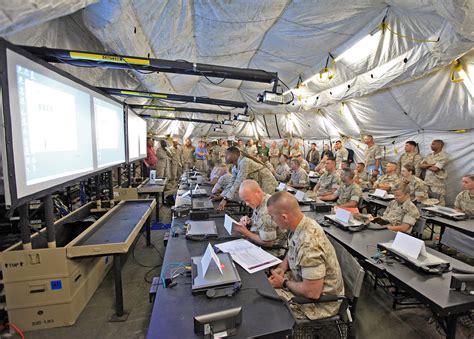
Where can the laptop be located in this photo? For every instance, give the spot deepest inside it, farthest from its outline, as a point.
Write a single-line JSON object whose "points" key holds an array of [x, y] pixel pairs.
{"points": [[202, 204], [182, 201], [412, 250], [213, 278], [343, 218], [381, 194], [199, 192], [201, 228], [445, 212], [300, 196]]}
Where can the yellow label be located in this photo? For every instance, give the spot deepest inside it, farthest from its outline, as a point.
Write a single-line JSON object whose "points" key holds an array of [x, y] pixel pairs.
{"points": [[161, 108], [108, 58], [144, 94]]}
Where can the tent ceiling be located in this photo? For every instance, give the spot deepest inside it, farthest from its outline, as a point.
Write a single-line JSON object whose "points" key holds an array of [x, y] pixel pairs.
{"points": [[290, 37]]}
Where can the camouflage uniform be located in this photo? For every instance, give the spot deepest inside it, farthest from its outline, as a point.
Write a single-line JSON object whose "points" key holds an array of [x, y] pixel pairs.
{"points": [[418, 188], [285, 150], [465, 202], [273, 154], [250, 169], [371, 154], [347, 193], [390, 179], [412, 159], [436, 181], [188, 157], [215, 156], [162, 165], [341, 155], [405, 212], [222, 183], [267, 230], [327, 182], [283, 172], [295, 152], [299, 177], [269, 166], [251, 150], [222, 153], [304, 165], [363, 179], [311, 256], [174, 163]]}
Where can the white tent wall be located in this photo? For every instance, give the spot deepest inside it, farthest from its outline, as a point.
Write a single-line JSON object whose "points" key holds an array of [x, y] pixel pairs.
{"points": [[390, 97]]}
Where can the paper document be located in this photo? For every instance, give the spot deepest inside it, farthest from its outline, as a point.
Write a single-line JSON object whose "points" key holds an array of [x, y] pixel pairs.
{"points": [[152, 177], [251, 257], [281, 186], [380, 193], [228, 222], [208, 257], [299, 195]]}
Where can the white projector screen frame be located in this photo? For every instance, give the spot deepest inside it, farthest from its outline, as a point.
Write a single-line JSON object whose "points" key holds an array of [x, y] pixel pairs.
{"points": [[20, 185], [136, 135]]}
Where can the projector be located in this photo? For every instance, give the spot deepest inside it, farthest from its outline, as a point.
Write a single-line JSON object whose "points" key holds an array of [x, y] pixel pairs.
{"points": [[271, 98], [242, 117], [228, 122], [218, 129]]}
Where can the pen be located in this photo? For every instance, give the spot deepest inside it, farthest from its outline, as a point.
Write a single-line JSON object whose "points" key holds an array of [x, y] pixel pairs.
{"points": [[262, 264]]}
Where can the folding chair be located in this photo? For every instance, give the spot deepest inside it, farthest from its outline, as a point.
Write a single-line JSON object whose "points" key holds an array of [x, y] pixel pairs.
{"points": [[342, 324]]}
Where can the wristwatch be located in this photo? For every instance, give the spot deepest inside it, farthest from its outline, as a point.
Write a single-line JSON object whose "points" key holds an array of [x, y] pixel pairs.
{"points": [[285, 284]]}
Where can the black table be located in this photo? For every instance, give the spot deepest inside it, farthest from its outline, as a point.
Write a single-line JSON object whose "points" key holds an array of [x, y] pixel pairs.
{"points": [[463, 226], [175, 308], [375, 202], [432, 290]]}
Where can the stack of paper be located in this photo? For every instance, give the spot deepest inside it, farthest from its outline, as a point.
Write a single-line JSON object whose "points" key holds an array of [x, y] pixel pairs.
{"points": [[251, 257]]}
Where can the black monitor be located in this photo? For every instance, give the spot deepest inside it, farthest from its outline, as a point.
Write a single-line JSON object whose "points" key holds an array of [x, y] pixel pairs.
{"points": [[222, 323]]}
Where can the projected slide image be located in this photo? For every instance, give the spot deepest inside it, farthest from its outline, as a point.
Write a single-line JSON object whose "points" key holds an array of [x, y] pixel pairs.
{"points": [[51, 118], [56, 131], [109, 130], [137, 146]]}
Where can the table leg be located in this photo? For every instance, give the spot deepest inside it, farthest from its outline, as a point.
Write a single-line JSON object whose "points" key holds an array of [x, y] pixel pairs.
{"points": [[120, 315], [441, 231], [148, 230], [157, 212], [451, 323]]}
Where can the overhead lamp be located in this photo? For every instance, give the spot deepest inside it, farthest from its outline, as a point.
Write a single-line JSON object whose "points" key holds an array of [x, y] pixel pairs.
{"points": [[326, 74], [457, 73], [228, 122], [218, 129], [243, 117]]}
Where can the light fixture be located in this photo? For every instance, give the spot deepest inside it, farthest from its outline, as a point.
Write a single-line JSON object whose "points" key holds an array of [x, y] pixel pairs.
{"points": [[243, 117], [457, 73], [326, 73]]}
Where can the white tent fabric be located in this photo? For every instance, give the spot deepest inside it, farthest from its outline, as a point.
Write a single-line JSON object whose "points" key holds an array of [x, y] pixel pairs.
{"points": [[395, 86]]}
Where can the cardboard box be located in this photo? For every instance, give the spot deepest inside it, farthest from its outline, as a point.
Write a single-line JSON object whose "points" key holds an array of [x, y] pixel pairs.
{"points": [[129, 193], [61, 313], [48, 290]]}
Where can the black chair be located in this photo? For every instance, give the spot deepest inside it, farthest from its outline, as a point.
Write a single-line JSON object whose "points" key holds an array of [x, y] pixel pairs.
{"points": [[342, 324]]}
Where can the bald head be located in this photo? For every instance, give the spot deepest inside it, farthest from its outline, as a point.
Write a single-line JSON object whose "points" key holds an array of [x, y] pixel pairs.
{"points": [[284, 210], [251, 193]]}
